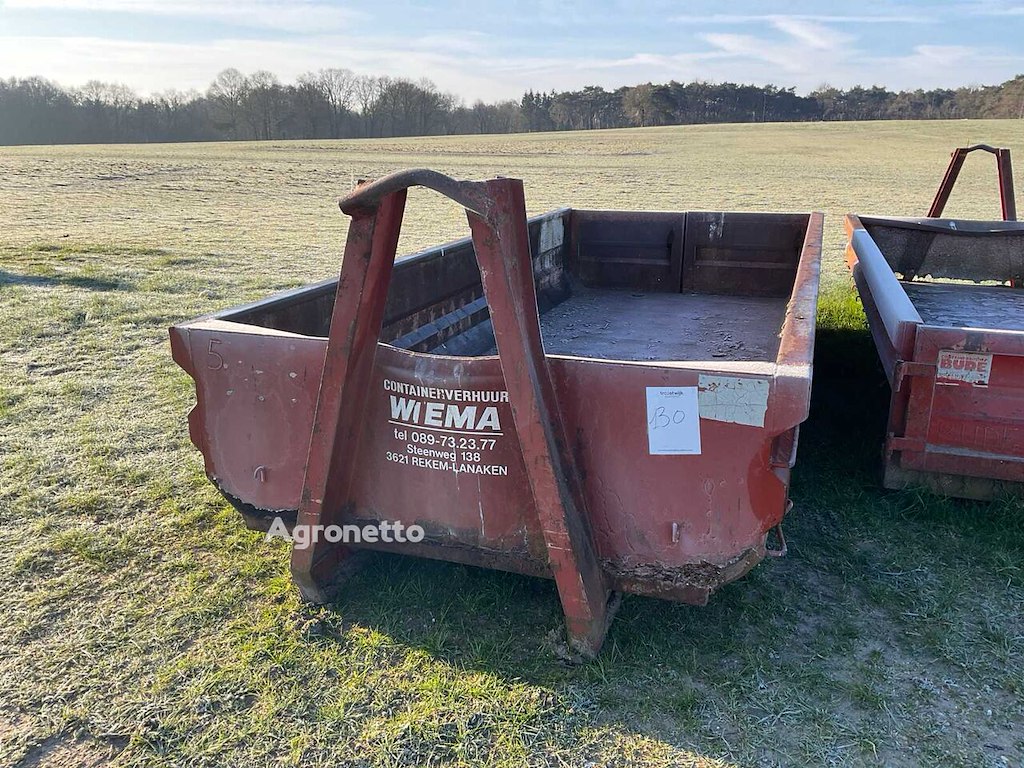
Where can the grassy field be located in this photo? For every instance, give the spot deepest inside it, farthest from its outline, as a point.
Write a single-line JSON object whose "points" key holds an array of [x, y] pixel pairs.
{"points": [[140, 624]]}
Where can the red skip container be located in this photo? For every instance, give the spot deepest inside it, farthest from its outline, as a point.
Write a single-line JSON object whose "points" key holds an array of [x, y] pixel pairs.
{"points": [[607, 398]]}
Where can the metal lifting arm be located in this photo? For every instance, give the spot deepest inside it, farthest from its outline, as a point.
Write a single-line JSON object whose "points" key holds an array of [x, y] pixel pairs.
{"points": [[1006, 197], [497, 216], [471, 195]]}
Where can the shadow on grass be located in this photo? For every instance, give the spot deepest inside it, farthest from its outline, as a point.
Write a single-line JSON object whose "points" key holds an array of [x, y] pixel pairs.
{"points": [[72, 281]]}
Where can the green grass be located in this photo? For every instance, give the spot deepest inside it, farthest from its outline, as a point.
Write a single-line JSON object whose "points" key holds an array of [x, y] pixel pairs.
{"points": [[140, 624]]}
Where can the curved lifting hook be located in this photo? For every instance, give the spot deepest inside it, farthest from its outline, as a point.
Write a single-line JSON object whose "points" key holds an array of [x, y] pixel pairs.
{"points": [[471, 195]]}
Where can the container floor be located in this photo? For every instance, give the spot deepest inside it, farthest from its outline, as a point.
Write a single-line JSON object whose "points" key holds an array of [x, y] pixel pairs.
{"points": [[625, 325], [959, 305]]}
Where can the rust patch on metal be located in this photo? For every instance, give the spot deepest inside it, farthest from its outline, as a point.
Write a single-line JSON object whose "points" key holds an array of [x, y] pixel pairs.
{"points": [[660, 578]]}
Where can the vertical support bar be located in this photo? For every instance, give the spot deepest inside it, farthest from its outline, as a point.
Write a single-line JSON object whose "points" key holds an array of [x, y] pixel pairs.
{"points": [[1006, 197], [946, 187], [344, 389], [503, 252]]}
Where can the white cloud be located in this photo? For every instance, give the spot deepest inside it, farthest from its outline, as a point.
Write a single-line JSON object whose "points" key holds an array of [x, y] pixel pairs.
{"points": [[807, 46], [991, 8], [817, 36], [788, 53], [456, 42], [753, 18], [943, 54], [151, 66], [281, 15], [927, 60], [812, 53], [750, 47]]}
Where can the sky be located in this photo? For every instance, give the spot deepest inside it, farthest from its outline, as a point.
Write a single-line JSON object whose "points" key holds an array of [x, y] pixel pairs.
{"points": [[490, 51]]}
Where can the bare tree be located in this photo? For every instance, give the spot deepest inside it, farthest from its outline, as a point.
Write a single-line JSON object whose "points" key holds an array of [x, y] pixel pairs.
{"points": [[176, 114], [264, 104], [228, 93], [337, 88], [313, 113], [368, 91], [108, 106]]}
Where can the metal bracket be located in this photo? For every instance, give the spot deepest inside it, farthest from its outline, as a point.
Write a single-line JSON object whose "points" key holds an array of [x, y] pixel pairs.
{"points": [[793, 437], [906, 368], [783, 549], [894, 443]]}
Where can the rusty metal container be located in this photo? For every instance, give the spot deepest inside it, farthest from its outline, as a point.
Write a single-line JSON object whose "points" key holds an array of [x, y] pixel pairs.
{"points": [[948, 324], [607, 398]]}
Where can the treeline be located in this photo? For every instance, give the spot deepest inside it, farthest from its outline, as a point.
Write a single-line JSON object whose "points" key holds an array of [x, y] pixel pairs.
{"points": [[336, 103]]}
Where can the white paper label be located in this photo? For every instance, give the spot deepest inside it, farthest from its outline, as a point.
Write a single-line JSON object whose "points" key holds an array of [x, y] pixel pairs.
{"points": [[969, 367], [734, 400], [673, 421]]}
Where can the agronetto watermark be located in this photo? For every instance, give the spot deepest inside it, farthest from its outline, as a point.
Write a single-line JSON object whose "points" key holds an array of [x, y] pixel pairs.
{"points": [[384, 531]]}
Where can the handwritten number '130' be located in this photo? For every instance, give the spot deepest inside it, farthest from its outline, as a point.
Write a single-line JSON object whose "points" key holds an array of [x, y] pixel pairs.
{"points": [[662, 418]]}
